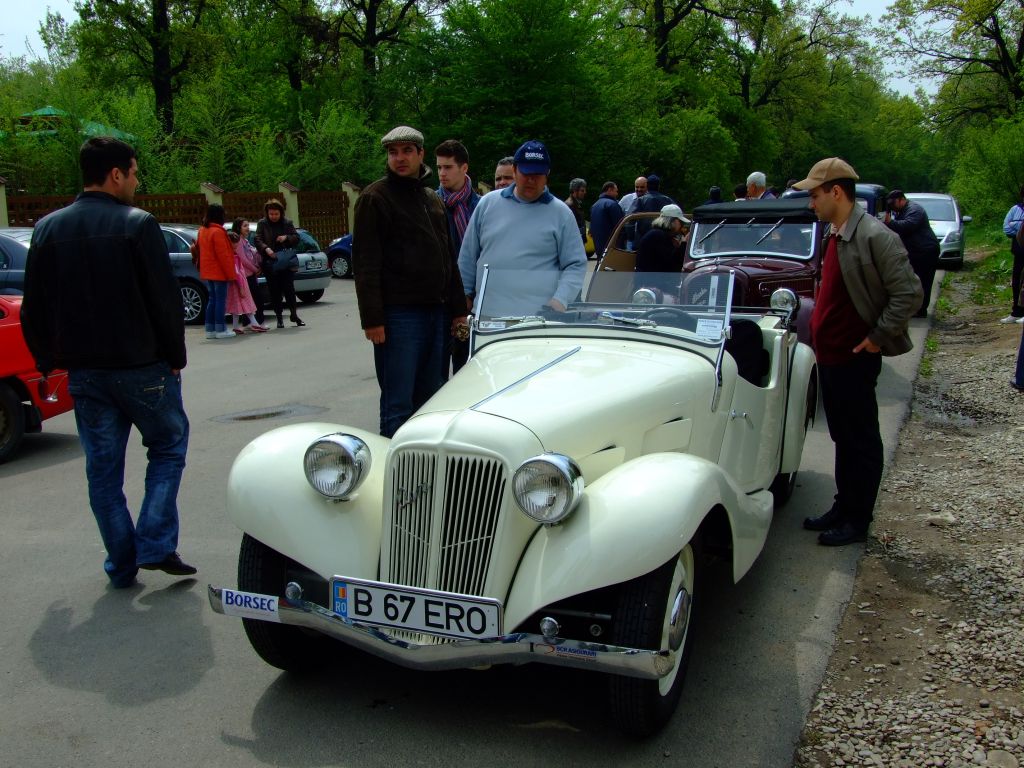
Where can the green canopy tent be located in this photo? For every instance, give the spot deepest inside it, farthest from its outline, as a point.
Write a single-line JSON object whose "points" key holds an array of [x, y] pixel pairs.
{"points": [[46, 121]]}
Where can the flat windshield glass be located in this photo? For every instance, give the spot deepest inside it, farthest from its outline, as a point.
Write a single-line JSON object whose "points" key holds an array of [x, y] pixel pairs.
{"points": [[647, 301], [729, 238]]}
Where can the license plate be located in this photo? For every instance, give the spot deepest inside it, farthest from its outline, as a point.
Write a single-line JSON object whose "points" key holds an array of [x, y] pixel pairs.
{"points": [[314, 264], [418, 610]]}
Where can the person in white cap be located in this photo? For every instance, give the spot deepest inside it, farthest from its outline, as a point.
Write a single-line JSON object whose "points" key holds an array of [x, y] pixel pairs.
{"points": [[661, 248], [867, 296]]}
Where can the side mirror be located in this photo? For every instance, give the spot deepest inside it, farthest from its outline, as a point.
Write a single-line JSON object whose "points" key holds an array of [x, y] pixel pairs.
{"points": [[967, 219]]}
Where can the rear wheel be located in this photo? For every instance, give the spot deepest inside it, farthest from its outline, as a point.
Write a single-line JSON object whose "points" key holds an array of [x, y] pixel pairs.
{"points": [[655, 612], [264, 571], [308, 297], [194, 298], [12, 421]]}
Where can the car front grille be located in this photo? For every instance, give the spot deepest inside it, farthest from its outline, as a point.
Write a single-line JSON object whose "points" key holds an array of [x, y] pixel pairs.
{"points": [[441, 521]]}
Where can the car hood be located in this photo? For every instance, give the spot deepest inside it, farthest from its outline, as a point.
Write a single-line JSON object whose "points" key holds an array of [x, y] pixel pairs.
{"points": [[577, 395], [942, 228], [752, 266]]}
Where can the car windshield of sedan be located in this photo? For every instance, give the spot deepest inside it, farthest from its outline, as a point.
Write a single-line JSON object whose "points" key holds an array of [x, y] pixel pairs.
{"points": [[730, 238], [645, 301], [937, 208]]}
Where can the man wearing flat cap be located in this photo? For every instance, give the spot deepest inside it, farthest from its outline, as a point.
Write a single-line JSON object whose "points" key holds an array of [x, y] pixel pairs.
{"points": [[910, 221], [407, 279], [529, 234], [867, 296]]}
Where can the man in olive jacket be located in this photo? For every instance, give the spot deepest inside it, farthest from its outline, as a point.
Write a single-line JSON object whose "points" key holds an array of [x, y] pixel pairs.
{"points": [[407, 279], [867, 296], [102, 301]]}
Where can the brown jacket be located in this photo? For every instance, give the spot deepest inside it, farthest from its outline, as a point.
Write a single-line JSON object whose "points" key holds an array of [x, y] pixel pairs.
{"points": [[400, 250]]}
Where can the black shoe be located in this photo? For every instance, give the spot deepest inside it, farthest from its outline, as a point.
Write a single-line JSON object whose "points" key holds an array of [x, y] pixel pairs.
{"points": [[921, 313], [280, 323], [830, 519], [299, 323], [1015, 385], [842, 535], [171, 564]]}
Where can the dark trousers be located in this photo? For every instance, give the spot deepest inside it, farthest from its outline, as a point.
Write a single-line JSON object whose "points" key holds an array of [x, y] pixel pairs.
{"points": [[254, 291], [848, 396], [410, 362], [924, 266], [1017, 277], [282, 283]]}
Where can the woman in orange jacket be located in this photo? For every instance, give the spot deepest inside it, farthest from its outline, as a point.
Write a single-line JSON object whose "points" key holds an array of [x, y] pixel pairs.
{"points": [[217, 268]]}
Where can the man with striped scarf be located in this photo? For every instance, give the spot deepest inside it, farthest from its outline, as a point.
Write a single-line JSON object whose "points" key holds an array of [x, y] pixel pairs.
{"points": [[456, 192]]}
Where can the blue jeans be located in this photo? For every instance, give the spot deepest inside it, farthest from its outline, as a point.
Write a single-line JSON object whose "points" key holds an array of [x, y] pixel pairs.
{"points": [[1018, 378], [216, 305], [107, 403], [410, 362]]}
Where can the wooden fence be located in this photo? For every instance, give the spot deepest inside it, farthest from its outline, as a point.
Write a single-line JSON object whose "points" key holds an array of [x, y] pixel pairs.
{"points": [[324, 214]]}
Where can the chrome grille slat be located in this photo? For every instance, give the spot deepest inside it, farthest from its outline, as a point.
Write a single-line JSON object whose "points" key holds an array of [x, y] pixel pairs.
{"points": [[443, 509]]}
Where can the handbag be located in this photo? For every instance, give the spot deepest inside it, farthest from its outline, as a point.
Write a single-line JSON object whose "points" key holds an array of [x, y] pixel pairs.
{"points": [[287, 260]]}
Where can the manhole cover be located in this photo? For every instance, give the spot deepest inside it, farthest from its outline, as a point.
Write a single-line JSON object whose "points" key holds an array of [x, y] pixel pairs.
{"points": [[273, 412]]}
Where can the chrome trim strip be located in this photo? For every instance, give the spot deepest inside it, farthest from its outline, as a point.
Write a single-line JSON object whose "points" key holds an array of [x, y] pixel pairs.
{"points": [[527, 377], [515, 648]]}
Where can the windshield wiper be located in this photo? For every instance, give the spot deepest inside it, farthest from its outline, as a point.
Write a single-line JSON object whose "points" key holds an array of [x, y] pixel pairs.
{"points": [[777, 225], [709, 234], [638, 322]]}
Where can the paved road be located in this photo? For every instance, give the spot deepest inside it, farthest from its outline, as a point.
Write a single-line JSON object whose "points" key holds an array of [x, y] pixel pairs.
{"points": [[150, 676]]}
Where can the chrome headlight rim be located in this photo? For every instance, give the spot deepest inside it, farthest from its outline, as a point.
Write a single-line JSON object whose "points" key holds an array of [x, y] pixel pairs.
{"points": [[785, 300], [351, 460], [553, 466], [646, 296]]}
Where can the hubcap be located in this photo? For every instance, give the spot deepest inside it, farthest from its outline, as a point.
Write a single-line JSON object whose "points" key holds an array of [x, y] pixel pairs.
{"points": [[677, 614], [193, 303], [340, 266]]}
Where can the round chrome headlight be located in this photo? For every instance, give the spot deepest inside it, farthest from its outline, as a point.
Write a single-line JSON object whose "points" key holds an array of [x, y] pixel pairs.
{"points": [[647, 296], [336, 464], [547, 488], [785, 300]]}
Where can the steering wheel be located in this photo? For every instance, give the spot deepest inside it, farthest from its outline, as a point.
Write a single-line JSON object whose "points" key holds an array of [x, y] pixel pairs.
{"points": [[680, 317]]}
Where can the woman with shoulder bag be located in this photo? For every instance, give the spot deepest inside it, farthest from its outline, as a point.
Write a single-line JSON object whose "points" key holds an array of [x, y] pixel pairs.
{"points": [[217, 268], [1011, 228], [276, 239]]}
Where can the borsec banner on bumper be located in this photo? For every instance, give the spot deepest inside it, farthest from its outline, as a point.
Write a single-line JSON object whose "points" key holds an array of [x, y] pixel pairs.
{"points": [[248, 605]]}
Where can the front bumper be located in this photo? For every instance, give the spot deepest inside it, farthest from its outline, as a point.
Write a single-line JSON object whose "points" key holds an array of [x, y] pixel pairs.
{"points": [[516, 648]]}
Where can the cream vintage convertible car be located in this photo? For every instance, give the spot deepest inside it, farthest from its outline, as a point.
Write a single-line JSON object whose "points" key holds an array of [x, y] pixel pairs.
{"points": [[553, 502]]}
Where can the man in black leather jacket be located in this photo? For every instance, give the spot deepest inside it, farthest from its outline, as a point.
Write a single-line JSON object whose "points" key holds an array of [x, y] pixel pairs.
{"points": [[102, 301], [910, 221]]}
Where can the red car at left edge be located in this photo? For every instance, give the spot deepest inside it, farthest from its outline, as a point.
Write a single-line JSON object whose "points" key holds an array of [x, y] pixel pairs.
{"points": [[27, 398]]}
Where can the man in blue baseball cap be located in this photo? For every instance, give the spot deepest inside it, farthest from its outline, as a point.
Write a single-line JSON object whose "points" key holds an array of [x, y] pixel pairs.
{"points": [[526, 229]]}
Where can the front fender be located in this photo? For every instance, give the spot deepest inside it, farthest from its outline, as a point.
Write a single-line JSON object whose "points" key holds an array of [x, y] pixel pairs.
{"points": [[802, 367], [270, 499], [631, 520]]}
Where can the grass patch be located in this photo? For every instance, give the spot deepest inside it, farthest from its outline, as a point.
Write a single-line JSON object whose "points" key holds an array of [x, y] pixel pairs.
{"points": [[931, 348], [990, 278]]}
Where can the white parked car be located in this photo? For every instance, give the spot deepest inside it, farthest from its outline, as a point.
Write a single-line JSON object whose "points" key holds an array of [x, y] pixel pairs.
{"points": [[553, 502]]}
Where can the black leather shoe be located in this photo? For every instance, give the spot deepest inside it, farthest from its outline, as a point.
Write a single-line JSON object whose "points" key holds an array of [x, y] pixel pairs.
{"points": [[280, 323], [1015, 385], [171, 564], [842, 535], [824, 522], [297, 321]]}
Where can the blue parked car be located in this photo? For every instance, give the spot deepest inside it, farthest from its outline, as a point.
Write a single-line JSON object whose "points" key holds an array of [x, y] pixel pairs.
{"points": [[339, 256]]}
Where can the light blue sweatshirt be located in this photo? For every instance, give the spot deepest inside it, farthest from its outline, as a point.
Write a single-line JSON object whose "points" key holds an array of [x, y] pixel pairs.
{"points": [[507, 233]]}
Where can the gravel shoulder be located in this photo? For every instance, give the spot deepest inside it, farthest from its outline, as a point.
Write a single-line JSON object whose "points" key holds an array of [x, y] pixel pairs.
{"points": [[928, 663]]}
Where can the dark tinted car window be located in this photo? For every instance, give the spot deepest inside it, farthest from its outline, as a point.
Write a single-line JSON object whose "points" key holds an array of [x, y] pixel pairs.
{"points": [[174, 243], [307, 243]]}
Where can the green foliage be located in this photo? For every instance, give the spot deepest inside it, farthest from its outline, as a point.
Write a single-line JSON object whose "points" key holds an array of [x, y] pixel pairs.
{"points": [[337, 146], [989, 171]]}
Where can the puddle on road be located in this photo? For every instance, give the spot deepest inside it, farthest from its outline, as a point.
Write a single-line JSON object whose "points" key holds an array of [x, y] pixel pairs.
{"points": [[286, 411]]}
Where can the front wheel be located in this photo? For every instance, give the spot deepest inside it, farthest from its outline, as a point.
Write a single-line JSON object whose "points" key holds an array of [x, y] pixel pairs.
{"points": [[12, 421], [264, 571], [655, 612], [341, 264]]}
